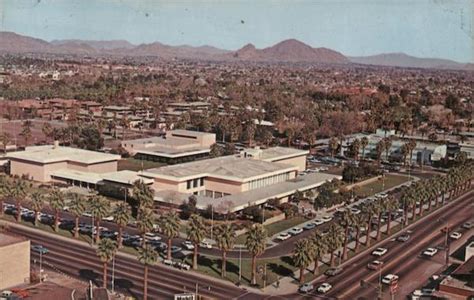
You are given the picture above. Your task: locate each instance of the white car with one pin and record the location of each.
(108, 219)
(379, 252)
(318, 222)
(205, 244)
(326, 219)
(188, 245)
(455, 235)
(295, 231)
(149, 236)
(430, 252)
(306, 288)
(87, 214)
(390, 279)
(324, 288)
(283, 236)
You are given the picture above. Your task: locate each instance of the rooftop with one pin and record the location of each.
(125, 177)
(50, 154)
(277, 153)
(6, 240)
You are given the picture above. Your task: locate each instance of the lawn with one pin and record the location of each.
(137, 164)
(380, 185)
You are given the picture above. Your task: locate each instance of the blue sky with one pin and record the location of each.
(425, 28)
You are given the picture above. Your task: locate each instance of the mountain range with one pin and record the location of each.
(290, 50)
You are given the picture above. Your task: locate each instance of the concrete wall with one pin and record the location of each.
(37, 172)
(223, 186)
(14, 264)
(299, 161)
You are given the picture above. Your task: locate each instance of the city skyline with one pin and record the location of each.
(358, 28)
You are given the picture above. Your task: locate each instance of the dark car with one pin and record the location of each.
(67, 224)
(403, 238)
(333, 271)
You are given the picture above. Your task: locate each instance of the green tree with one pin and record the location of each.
(333, 145)
(106, 250)
(77, 206)
(359, 223)
(147, 256)
(196, 231)
(5, 138)
(255, 243)
(346, 221)
(5, 187)
(225, 238)
(169, 225)
(335, 239)
(26, 131)
(142, 194)
(320, 248)
(17, 192)
(56, 201)
(355, 148)
(37, 204)
(216, 150)
(145, 222)
(302, 256)
(99, 207)
(363, 144)
(368, 211)
(122, 215)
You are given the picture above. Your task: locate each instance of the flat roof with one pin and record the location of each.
(125, 177)
(49, 154)
(161, 141)
(226, 167)
(276, 153)
(6, 239)
(172, 153)
(88, 177)
(189, 132)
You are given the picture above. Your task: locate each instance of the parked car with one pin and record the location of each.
(283, 236)
(403, 237)
(324, 288)
(205, 244)
(468, 225)
(188, 245)
(455, 235)
(39, 249)
(390, 279)
(318, 222)
(379, 252)
(175, 249)
(149, 236)
(87, 214)
(375, 265)
(108, 219)
(326, 219)
(430, 252)
(309, 226)
(306, 288)
(67, 224)
(183, 266)
(295, 231)
(333, 271)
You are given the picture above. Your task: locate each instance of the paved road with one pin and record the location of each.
(80, 260)
(425, 233)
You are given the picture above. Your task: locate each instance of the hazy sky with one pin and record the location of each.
(426, 28)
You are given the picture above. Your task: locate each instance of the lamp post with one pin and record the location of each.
(240, 263)
(113, 274)
(41, 266)
(212, 220)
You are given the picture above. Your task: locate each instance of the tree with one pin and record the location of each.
(404, 150)
(320, 248)
(255, 242)
(368, 211)
(146, 256)
(169, 225)
(106, 250)
(359, 223)
(347, 220)
(379, 148)
(77, 206)
(335, 239)
(37, 204)
(333, 145)
(99, 207)
(17, 191)
(363, 144)
(56, 201)
(47, 130)
(145, 222)
(302, 256)
(216, 150)
(387, 146)
(122, 215)
(5, 188)
(5, 138)
(389, 205)
(26, 131)
(378, 210)
(225, 238)
(196, 231)
(142, 194)
(355, 148)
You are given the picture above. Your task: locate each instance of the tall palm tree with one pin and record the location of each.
(122, 215)
(17, 191)
(320, 248)
(368, 211)
(5, 187)
(335, 239)
(5, 138)
(355, 147)
(346, 221)
(196, 231)
(77, 206)
(225, 238)
(363, 144)
(387, 146)
(390, 205)
(106, 250)
(37, 204)
(379, 148)
(302, 256)
(169, 225)
(142, 194)
(378, 210)
(99, 207)
(145, 222)
(147, 256)
(359, 223)
(255, 243)
(56, 201)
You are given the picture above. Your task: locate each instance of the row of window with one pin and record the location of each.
(194, 183)
(263, 182)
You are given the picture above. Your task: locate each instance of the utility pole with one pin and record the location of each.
(240, 263)
(41, 266)
(212, 220)
(113, 274)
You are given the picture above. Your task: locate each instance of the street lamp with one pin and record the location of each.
(41, 266)
(113, 274)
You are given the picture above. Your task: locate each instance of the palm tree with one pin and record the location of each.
(379, 148)
(37, 204)
(404, 150)
(368, 211)
(225, 238)
(145, 222)
(142, 194)
(196, 231)
(5, 138)
(335, 239)
(106, 250)
(77, 206)
(355, 147)
(347, 220)
(147, 256)
(320, 248)
(302, 256)
(122, 215)
(255, 243)
(99, 207)
(387, 146)
(363, 144)
(56, 201)
(333, 144)
(26, 131)
(390, 205)
(359, 223)
(378, 210)
(169, 225)
(5, 188)
(17, 191)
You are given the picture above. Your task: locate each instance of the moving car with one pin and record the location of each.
(390, 279)
(295, 231)
(324, 288)
(188, 245)
(375, 265)
(39, 249)
(403, 237)
(283, 236)
(333, 271)
(306, 288)
(455, 235)
(309, 226)
(379, 252)
(430, 252)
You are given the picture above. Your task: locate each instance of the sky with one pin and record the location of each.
(423, 28)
